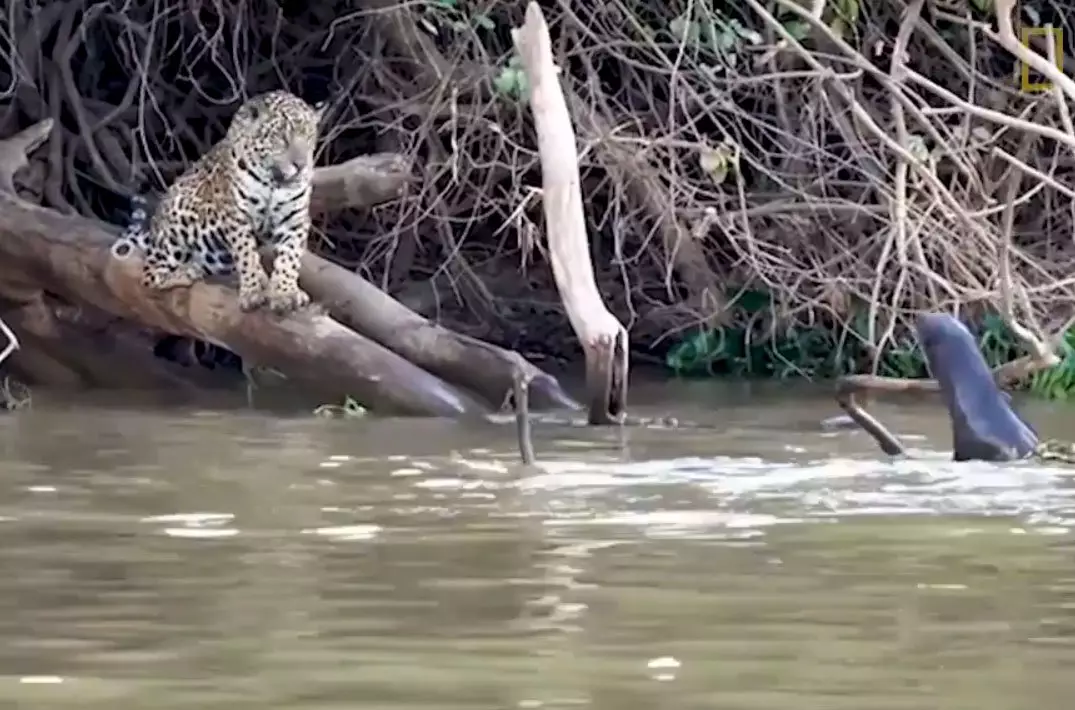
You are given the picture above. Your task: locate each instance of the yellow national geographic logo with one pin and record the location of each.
(1056, 34)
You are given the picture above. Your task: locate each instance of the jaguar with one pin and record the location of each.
(251, 188)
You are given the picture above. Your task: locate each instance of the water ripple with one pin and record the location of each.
(925, 485)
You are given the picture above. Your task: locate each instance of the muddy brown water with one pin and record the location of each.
(172, 557)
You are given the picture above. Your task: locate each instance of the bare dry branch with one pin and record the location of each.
(1005, 36)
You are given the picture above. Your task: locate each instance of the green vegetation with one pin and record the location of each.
(754, 349)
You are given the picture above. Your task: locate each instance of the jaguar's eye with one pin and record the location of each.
(250, 112)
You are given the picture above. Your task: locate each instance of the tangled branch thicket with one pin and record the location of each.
(724, 147)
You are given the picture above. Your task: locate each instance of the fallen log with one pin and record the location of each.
(69, 255)
(360, 182)
(82, 347)
(487, 370)
(602, 336)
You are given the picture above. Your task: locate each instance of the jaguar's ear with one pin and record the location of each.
(321, 108)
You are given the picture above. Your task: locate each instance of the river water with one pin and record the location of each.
(171, 557)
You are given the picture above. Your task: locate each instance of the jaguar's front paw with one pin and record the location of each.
(162, 278)
(285, 302)
(252, 299)
(253, 290)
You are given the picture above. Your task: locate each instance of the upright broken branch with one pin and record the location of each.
(603, 337)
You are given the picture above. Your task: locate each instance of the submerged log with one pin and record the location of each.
(69, 256)
(603, 337)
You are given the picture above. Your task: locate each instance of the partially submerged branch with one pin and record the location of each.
(521, 397)
(483, 368)
(848, 387)
(603, 337)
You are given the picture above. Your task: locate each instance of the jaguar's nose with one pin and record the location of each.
(285, 172)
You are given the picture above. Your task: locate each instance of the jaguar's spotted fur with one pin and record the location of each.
(251, 188)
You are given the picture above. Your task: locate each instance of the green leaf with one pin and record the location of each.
(511, 82)
(714, 164)
(754, 301)
(799, 29)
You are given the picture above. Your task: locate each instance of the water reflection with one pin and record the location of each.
(220, 559)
